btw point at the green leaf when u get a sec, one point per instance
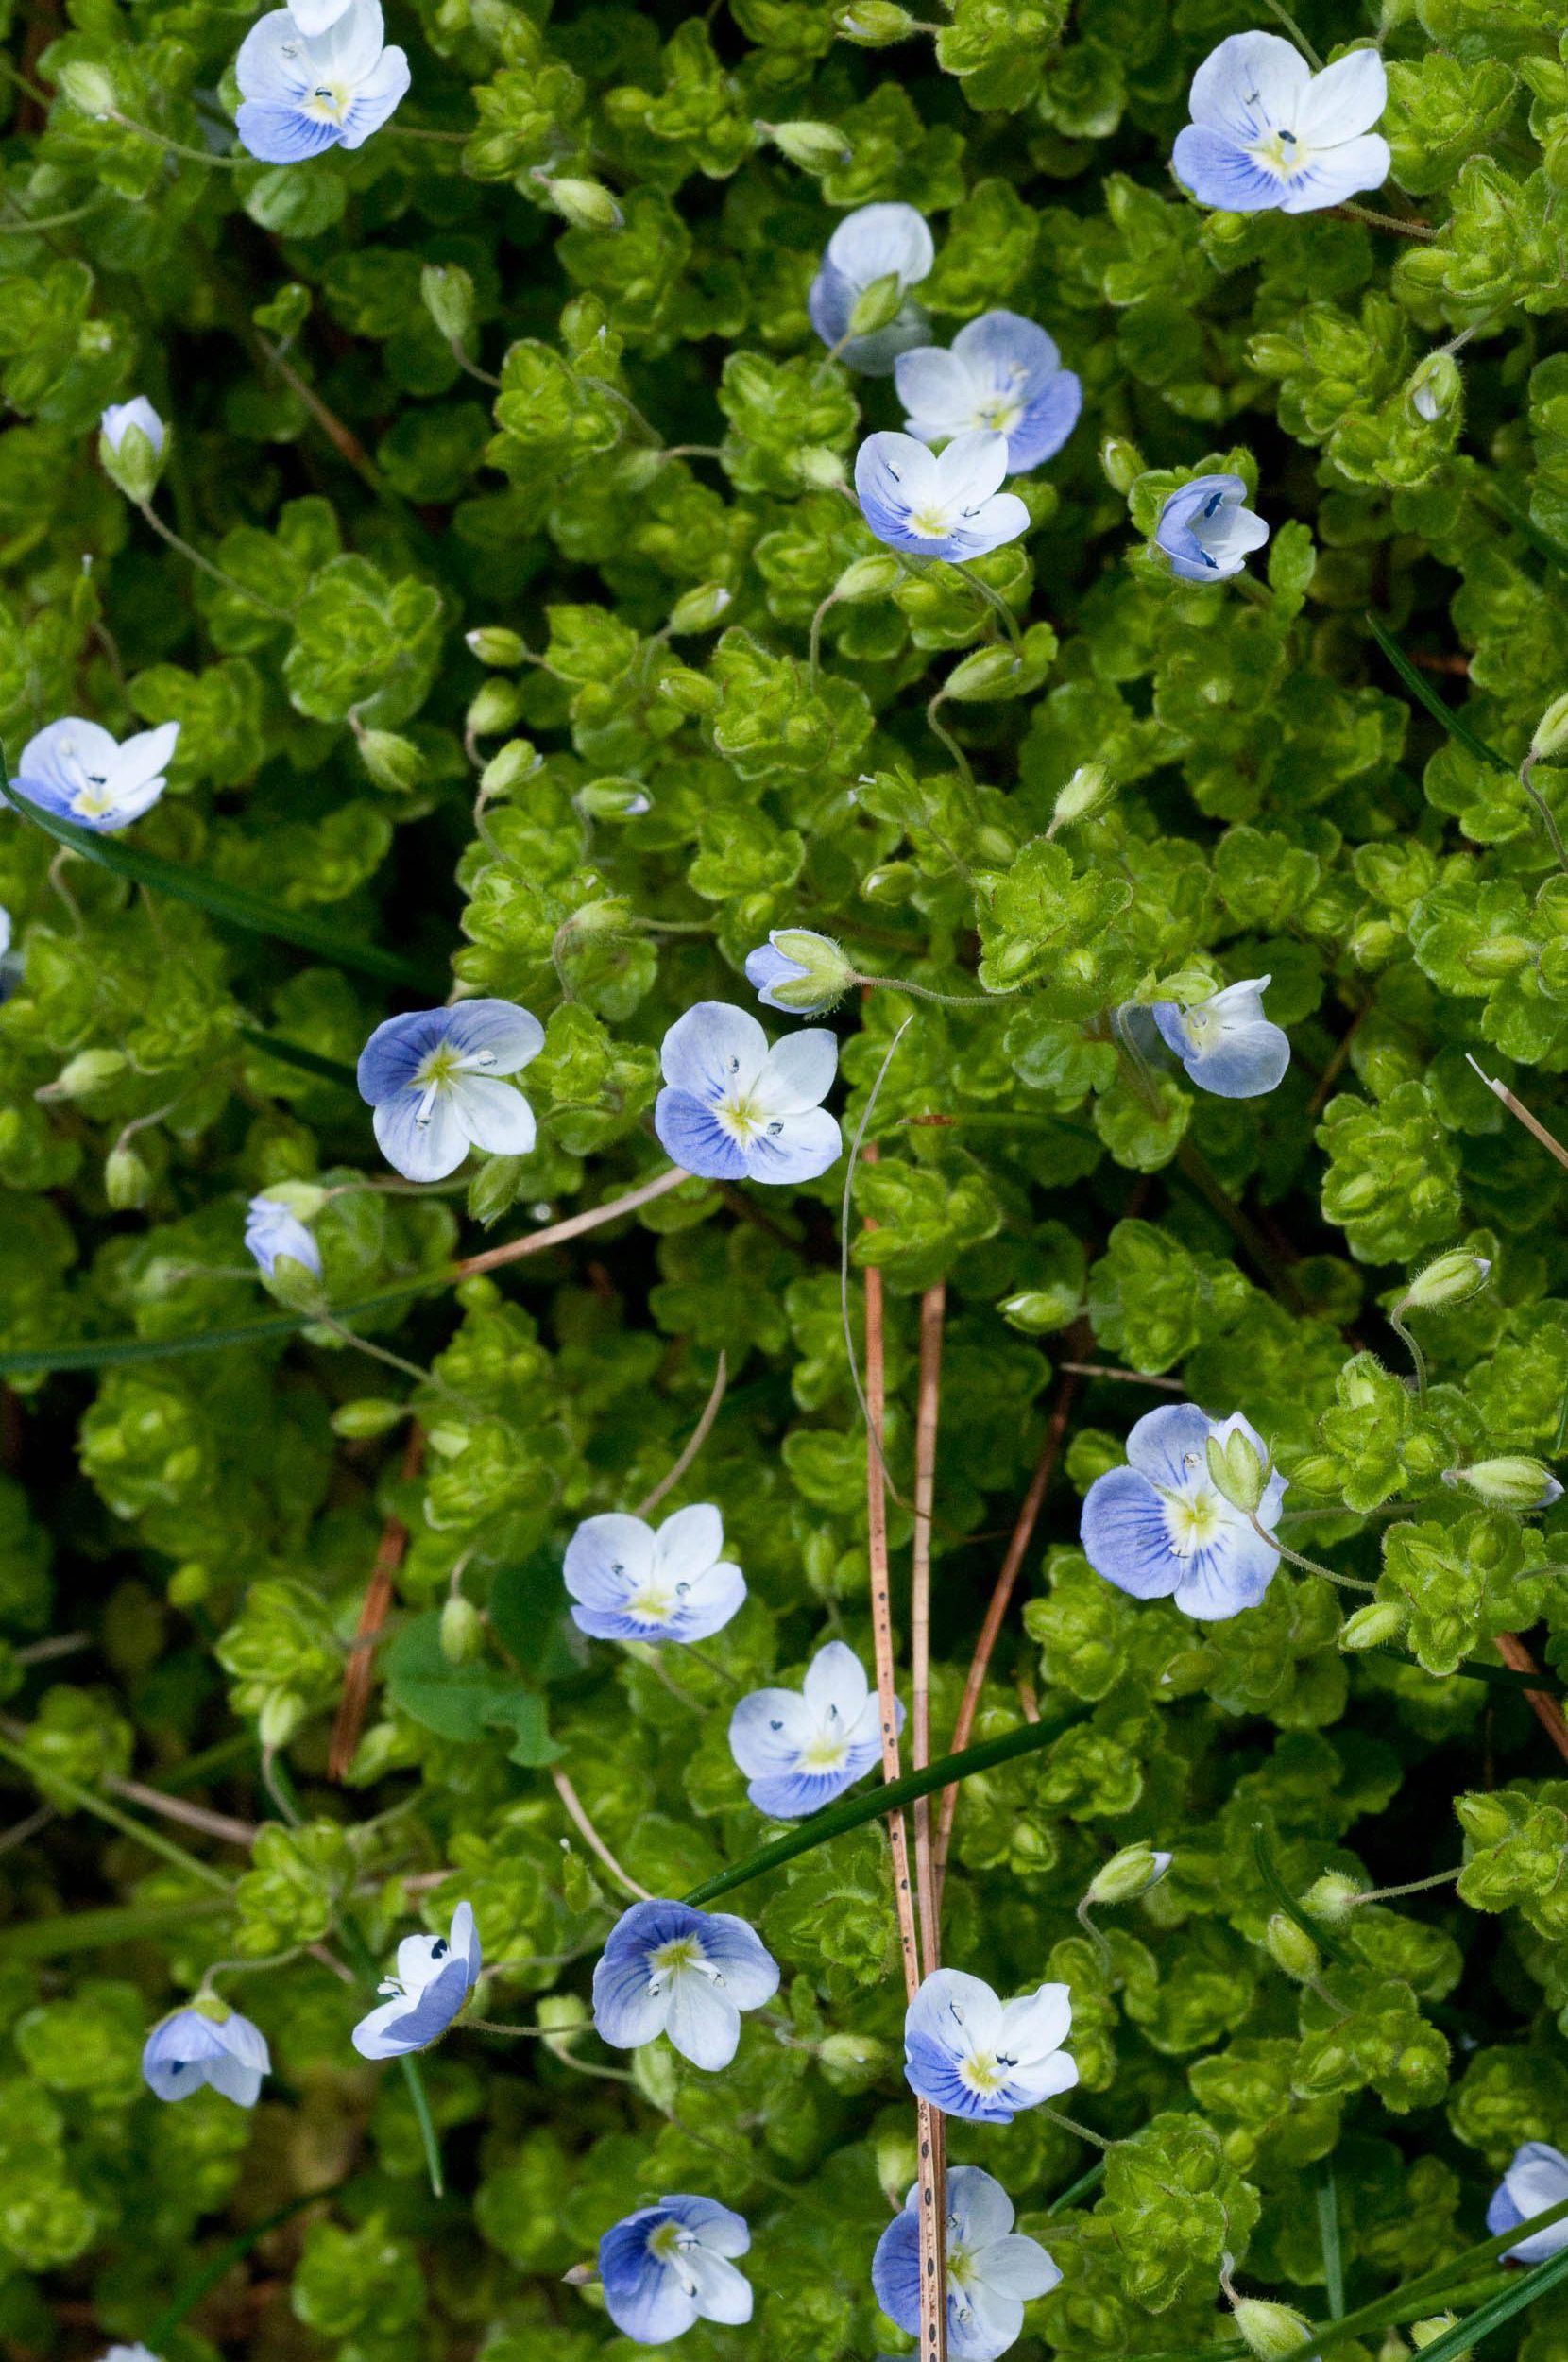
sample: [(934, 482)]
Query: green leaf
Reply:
[(1425, 695), (528, 1618), (463, 1702)]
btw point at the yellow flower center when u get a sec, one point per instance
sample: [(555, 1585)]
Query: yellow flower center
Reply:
[(329, 102), (1193, 1519), (1281, 153)]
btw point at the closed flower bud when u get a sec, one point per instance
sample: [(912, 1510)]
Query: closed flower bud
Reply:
[(1374, 1626), (1089, 787), (297, 1285), (89, 1070), (1485, 1820), (690, 693), (814, 146), (1454, 1278), (1289, 1948), (981, 673), (492, 644), (1122, 463), (1332, 1898), (854, 2061), (370, 1415), (877, 305), (870, 23), (608, 917), (1514, 1481), (447, 293), (127, 1181), (1551, 732), (868, 579), (1037, 1312), (1271, 2331), (132, 447), (700, 610), (1128, 1875), (87, 86), (1236, 1469), (393, 762), (493, 707), (517, 760), (818, 467), (462, 1631), (585, 204), (799, 971), (1427, 2333), (1435, 387), (614, 799), (280, 1718)]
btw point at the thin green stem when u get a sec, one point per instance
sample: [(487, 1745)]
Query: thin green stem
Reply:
[(1081, 2188), (1543, 809), (1081, 2131), (1296, 34), (961, 760), (1415, 1886), (205, 565), (51, 1784), (420, 2099), (175, 148), (1102, 1950), (995, 599), (1421, 229), (1417, 1359), (21, 226), (242, 1967), (813, 659), (924, 992), (1311, 1565), (189, 2295)]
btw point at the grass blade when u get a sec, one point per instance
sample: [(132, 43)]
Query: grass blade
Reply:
[(1328, 2235), (295, 1053), (114, 1352), (1538, 2282), (1426, 696), (190, 2292)]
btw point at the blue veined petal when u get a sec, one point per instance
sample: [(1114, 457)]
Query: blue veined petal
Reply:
[(273, 66), (66, 751), (1245, 1062), (932, 2072), (45, 792), (505, 1036), (1126, 1537), (1338, 173), (1000, 519), (690, 1135), (1227, 1574), (494, 1115), (713, 1049), (1048, 421), (980, 2208), (896, 2271), (1007, 352), (829, 303), (1167, 1446), (621, 1624), (768, 1730), (382, 91), (176, 2055), (750, 1971), (396, 1050), (795, 1795), (883, 241), (280, 134), (607, 1558), (793, 1148), (767, 967), (708, 1603), (1216, 172), (722, 2232), (1537, 2177), (421, 1152), (627, 2013), (643, 2296), (1249, 85)]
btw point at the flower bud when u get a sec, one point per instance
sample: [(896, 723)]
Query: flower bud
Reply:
[(896, 2163), (610, 917), (493, 707), (981, 673), (1122, 463), (870, 23), (304, 1199), (868, 579), (493, 644), (1551, 732), (1289, 1948), (877, 305), (814, 146), (818, 467), (1514, 1481), (1427, 2333), (393, 762), (1454, 1278), (517, 760), (1271, 2331), (87, 86), (1332, 1898), (1374, 1626), (280, 1718), (816, 976), (613, 799), (295, 1283), (1038, 1311), (1089, 786), (127, 1181), (1435, 387), (89, 1070), (447, 293), (462, 1630), (852, 2063), (132, 446), (585, 204), (1236, 1469), (1485, 1820), (370, 1415), (1128, 1875), (690, 693), (700, 610)]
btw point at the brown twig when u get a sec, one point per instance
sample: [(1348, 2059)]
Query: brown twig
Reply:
[(700, 1434), (557, 1233), (1124, 1377), (360, 1672), (1023, 1533), (591, 1835), (1517, 1107), (1546, 1710), (933, 1306)]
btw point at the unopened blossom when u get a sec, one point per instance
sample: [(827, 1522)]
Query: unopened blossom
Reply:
[(1537, 2177), (271, 1228), (944, 504), (733, 1110), (435, 1977), (800, 1748), (138, 415), (992, 2268), (304, 92), (434, 1081), (1268, 133), (1001, 375), (971, 2054), (632, 1583), (1161, 1528), (76, 769), (1206, 530), (668, 2266), (798, 971), (874, 243), (671, 1969), (206, 2043), (1226, 1043)]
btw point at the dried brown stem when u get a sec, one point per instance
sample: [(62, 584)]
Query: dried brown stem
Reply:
[(933, 1306), (1546, 1710), (558, 1232), (357, 1678), (700, 1434), (591, 1835), (1517, 1107)]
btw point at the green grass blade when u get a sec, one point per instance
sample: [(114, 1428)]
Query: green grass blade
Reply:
[(230, 905), (110, 1929), (1475, 1670), (1426, 696), (1423, 2293), (295, 1053), (114, 1352), (1538, 2282), (1523, 524), (1328, 2235), (190, 2292)]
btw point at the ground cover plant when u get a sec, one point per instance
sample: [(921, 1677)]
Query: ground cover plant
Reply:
[(783, 986)]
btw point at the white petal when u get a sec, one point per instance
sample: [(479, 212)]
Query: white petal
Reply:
[(803, 1147), (1037, 2023), (274, 67), (495, 1115), (723, 2294), (768, 1730), (1344, 100), (703, 2025), (980, 2208), (63, 752), (314, 16), (938, 392), (972, 466), (880, 240), (607, 1558), (1335, 173), (1016, 2266), (836, 1678), (687, 1543), (505, 1036), (712, 1049), (350, 48), (1250, 85), (421, 1152), (143, 757), (798, 1073)]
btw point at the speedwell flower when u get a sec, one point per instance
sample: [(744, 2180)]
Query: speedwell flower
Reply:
[(1268, 132), (305, 92), (1226, 1043), (668, 2266), (990, 2268), (800, 1748), (670, 1969), (874, 243), (206, 2043), (798, 971), (734, 1110), (433, 1079), (973, 2055), (938, 504), (137, 414), (1537, 2177), (271, 1228), (1003, 375), (435, 1976), (1206, 530), (1161, 1529), (632, 1583), (76, 769)]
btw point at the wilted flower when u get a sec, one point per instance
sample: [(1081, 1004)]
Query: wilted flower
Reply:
[(800, 1748), (938, 504), (76, 769), (1266, 131), (206, 2043), (632, 1583), (272, 1228), (798, 971), (1206, 530), (990, 2268), (1161, 1528), (875, 243), (305, 91), (1003, 375), (973, 2055), (1537, 2177), (1226, 1043), (435, 1976), (668, 2266), (670, 1969), (433, 1079), (734, 1110)]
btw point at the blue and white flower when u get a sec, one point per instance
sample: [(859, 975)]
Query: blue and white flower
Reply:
[(875, 241), (435, 1977), (303, 92), (670, 1969), (1161, 1529), (1268, 133), (992, 2268), (798, 971), (668, 2266), (800, 1748), (1206, 530), (76, 769), (938, 504), (1537, 2177), (1226, 1043), (206, 2043), (122, 417), (272, 1228), (432, 1078), (632, 1583), (1003, 375), (973, 2055), (733, 1110)]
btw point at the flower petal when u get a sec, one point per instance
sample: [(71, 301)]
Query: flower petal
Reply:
[(236, 2079), (495, 1115), (720, 2230), (803, 1147), (691, 1135), (1249, 85), (144, 759), (608, 1557), (500, 1031), (1048, 419), (799, 1072), (707, 1602), (1227, 1574), (464, 1942), (722, 2293), (421, 1152), (280, 135), (1001, 520), (881, 241), (1167, 1444), (1017, 2267), (688, 1543), (767, 1732), (642, 2296), (1038, 2023), (750, 1972), (348, 49), (1537, 2178), (972, 466), (313, 16), (274, 67), (937, 390), (396, 1050), (1245, 1062), (1335, 173), (1125, 1535), (62, 754), (627, 2013), (896, 2270), (1343, 101), (980, 2208), (836, 1678), (893, 474), (712, 1049), (383, 88), (703, 2024)]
